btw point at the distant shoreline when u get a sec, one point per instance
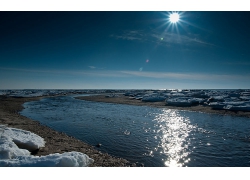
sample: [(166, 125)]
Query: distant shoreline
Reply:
[(56, 142), (121, 99)]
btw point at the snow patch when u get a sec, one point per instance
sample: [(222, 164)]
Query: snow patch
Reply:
[(16, 144), (67, 159), (9, 150), (25, 139)]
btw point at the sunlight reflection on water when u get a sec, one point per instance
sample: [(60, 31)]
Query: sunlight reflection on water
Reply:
[(174, 132)]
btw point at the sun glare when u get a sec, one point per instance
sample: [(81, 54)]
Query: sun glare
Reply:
[(174, 17)]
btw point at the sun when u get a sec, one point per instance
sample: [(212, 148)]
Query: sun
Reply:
[(174, 17)]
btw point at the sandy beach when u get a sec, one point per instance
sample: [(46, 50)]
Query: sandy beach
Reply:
[(56, 142), (121, 99)]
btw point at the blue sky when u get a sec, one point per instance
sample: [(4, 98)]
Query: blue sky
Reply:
[(124, 50)]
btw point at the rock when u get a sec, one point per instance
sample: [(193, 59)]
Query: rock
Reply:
[(99, 145)]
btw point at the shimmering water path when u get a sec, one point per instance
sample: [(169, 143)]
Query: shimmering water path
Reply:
[(152, 136)]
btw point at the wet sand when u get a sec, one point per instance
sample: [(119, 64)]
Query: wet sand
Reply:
[(121, 99), (56, 142)]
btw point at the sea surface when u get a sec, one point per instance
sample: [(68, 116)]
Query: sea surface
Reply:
[(154, 137)]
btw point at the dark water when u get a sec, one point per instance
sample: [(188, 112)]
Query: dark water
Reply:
[(152, 136)]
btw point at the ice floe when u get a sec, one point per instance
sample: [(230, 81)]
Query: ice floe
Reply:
[(16, 144), (237, 108), (184, 101), (37, 93), (153, 99), (216, 105), (216, 99), (232, 106), (233, 100)]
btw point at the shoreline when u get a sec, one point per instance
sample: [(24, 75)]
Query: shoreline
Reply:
[(121, 99), (56, 142)]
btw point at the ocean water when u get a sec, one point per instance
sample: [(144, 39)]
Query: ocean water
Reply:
[(155, 137)]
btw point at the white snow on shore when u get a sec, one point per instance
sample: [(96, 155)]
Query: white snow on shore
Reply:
[(9, 150), (25, 139), (67, 159), (16, 144)]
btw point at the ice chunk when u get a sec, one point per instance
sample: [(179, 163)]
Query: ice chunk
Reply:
[(196, 101), (13, 155), (216, 105), (245, 94), (183, 101), (237, 108), (153, 99), (234, 94), (139, 97), (9, 150), (198, 94), (2, 93), (25, 139), (67, 159), (232, 106), (235, 103), (217, 99), (245, 98), (177, 94), (178, 102)]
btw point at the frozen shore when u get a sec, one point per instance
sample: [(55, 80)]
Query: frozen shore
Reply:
[(56, 142), (122, 99)]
